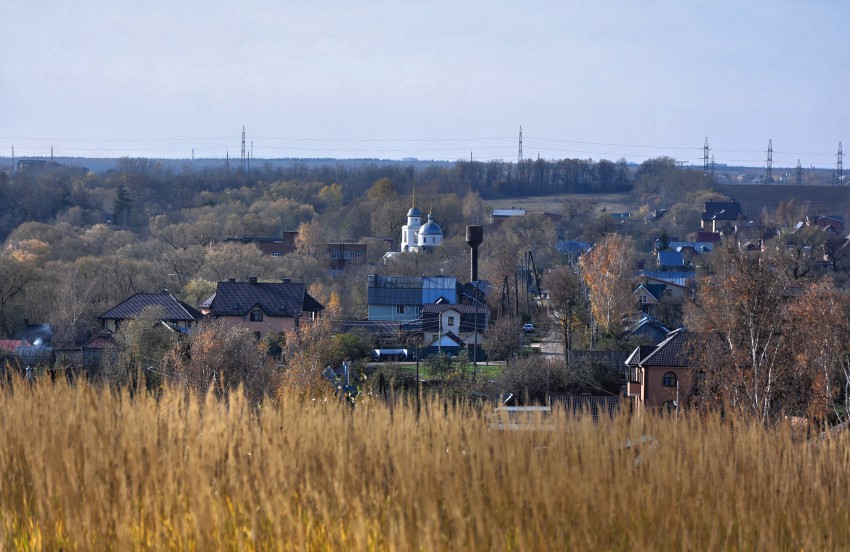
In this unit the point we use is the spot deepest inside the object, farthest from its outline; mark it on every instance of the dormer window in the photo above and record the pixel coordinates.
(256, 316)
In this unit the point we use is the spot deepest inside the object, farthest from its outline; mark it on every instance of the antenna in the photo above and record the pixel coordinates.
(705, 158)
(768, 174)
(799, 173)
(242, 163)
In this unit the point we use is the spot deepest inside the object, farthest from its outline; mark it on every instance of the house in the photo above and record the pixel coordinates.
(454, 327)
(833, 224)
(178, 314)
(649, 294)
(338, 254)
(275, 247)
(670, 259)
(262, 307)
(400, 298)
(646, 328)
(341, 254)
(662, 376)
(9, 345)
(721, 216)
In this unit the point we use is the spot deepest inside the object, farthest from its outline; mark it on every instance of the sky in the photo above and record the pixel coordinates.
(431, 79)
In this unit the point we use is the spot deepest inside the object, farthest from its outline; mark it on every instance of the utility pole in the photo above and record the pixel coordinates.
(242, 163)
(768, 174)
(799, 173)
(519, 155)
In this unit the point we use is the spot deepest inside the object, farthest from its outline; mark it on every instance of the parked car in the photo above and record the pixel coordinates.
(528, 328)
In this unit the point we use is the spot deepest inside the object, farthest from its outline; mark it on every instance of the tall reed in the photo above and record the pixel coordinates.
(92, 469)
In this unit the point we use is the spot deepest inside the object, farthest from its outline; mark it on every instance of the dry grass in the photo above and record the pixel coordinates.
(87, 469)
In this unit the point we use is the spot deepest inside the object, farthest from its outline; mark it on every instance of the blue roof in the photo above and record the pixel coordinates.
(414, 212)
(431, 228)
(670, 258)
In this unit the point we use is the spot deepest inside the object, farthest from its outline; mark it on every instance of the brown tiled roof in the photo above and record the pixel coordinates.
(675, 350)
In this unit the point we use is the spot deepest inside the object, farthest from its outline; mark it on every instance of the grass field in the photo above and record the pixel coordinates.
(611, 202)
(753, 198)
(89, 469)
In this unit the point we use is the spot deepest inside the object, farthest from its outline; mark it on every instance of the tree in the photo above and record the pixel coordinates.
(568, 302)
(382, 190)
(607, 270)
(224, 359)
(311, 240)
(140, 347)
(15, 277)
(820, 341)
(742, 309)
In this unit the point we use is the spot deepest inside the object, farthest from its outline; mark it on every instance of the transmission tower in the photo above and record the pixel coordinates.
(242, 163)
(839, 166)
(799, 173)
(519, 155)
(768, 174)
(705, 158)
(712, 166)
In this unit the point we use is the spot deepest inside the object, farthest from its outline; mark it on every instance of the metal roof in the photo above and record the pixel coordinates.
(273, 298)
(175, 310)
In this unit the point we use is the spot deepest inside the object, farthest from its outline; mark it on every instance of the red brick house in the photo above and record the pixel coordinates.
(662, 376)
(262, 307)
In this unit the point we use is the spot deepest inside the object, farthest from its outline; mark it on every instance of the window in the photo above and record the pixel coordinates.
(399, 309)
(347, 255)
(359, 254)
(256, 316)
(643, 298)
(334, 254)
(451, 320)
(276, 254)
(670, 379)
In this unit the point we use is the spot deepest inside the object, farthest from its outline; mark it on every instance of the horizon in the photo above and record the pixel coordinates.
(441, 80)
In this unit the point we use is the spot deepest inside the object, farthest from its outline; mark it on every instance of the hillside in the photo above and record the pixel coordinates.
(825, 200)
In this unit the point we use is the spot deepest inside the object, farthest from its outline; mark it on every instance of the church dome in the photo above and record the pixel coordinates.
(414, 212)
(430, 228)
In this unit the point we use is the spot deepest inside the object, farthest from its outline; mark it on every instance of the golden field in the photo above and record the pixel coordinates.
(92, 469)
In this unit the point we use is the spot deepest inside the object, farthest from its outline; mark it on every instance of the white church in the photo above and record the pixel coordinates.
(416, 236)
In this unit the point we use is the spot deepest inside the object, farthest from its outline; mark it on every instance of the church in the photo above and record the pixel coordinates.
(416, 236)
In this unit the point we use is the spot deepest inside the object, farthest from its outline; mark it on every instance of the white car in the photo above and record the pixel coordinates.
(528, 328)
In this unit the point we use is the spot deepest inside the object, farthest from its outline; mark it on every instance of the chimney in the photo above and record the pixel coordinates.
(474, 237)
(252, 279)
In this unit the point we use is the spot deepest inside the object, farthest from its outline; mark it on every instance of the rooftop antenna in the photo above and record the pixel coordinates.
(768, 174)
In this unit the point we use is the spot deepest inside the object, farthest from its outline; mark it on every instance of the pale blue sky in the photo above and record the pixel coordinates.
(436, 79)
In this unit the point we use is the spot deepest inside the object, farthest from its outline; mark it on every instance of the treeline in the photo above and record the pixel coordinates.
(140, 188)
